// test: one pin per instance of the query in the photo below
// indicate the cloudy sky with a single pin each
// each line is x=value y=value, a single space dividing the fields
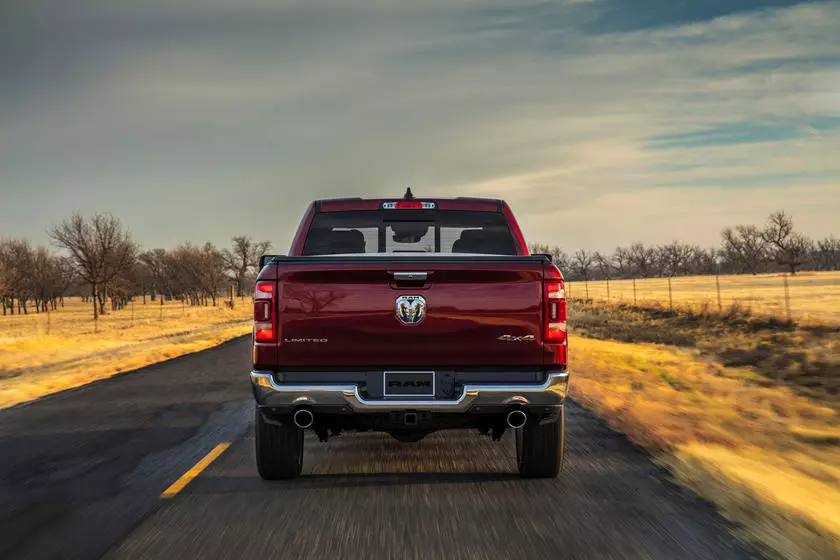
x=600 y=121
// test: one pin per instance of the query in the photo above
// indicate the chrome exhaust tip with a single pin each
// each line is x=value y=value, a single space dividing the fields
x=303 y=418
x=516 y=419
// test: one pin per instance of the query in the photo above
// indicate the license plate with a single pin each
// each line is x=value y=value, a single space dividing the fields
x=409 y=384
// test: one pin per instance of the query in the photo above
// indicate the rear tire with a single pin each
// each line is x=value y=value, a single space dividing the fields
x=540 y=448
x=279 y=448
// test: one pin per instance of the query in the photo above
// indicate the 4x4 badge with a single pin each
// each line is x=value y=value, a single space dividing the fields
x=411 y=310
x=514 y=338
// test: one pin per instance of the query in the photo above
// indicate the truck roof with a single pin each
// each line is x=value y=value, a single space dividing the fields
x=407 y=201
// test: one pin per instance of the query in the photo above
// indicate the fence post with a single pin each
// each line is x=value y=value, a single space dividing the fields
x=161 y=307
x=608 y=289
x=787 y=297
x=132 y=312
x=49 y=321
x=586 y=285
x=670 y=296
x=232 y=295
x=717 y=285
x=634 y=292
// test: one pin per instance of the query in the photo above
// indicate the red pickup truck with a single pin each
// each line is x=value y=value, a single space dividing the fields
x=408 y=316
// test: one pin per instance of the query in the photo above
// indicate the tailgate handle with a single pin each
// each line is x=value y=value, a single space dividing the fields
x=410 y=278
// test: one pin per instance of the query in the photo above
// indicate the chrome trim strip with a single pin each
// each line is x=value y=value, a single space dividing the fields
x=552 y=391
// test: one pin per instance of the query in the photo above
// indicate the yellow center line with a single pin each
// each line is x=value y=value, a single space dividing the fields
x=185 y=479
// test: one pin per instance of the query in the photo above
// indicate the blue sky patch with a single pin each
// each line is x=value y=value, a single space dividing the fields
x=754 y=180
x=616 y=16
x=785 y=65
x=746 y=133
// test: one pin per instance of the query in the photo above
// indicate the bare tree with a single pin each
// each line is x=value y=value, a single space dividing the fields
x=20 y=258
x=65 y=278
x=778 y=229
x=15 y=278
x=746 y=246
x=213 y=270
x=826 y=254
x=199 y=272
x=243 y=258
x=675 y=258
x=5 y=274
x=142 y=276
x=157 y=272
x=622 y=262
x=559 y=257
x=539 y=249
x=44 y=276
x=604 y=264
x=582 y=263
x=182 y=269
x=788 y=248
x=28 y=273
x=796 y=253
x=6 y=278
x=100 y=250
x=119 y=256
x=703 y=261
x=644 y=259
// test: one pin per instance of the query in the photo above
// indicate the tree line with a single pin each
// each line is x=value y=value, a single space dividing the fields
x=744 y=249
x=100 y=262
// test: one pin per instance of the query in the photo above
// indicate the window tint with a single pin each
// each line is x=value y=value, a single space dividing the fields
x=409 y=231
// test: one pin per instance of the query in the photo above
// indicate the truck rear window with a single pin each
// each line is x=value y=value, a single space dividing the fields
x=409 y=231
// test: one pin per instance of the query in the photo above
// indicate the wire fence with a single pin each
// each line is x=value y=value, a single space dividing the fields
x=804 y=297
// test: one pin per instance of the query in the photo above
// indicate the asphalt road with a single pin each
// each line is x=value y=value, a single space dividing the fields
x=81 y=474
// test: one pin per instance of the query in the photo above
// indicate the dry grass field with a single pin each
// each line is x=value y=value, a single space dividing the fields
x=43 y=353
x=707 y=402
x=814 y=296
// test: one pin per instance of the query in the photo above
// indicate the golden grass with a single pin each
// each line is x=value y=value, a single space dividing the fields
x=44 y=353
x=814 y=296
x=766 y=456
x=802 y=356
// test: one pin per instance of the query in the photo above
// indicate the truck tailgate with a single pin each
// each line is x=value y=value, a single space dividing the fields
x=342 y=311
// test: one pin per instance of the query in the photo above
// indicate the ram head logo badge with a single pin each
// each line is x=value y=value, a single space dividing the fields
x=411 y=310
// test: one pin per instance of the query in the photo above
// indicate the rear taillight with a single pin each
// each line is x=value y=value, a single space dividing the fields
x=265 y=322
x=555 y=312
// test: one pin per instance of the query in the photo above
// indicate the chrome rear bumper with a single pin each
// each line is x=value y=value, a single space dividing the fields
x=269 y=393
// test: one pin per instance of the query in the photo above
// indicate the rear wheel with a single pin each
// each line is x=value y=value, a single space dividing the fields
x=540 y=447
x=279 y=448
